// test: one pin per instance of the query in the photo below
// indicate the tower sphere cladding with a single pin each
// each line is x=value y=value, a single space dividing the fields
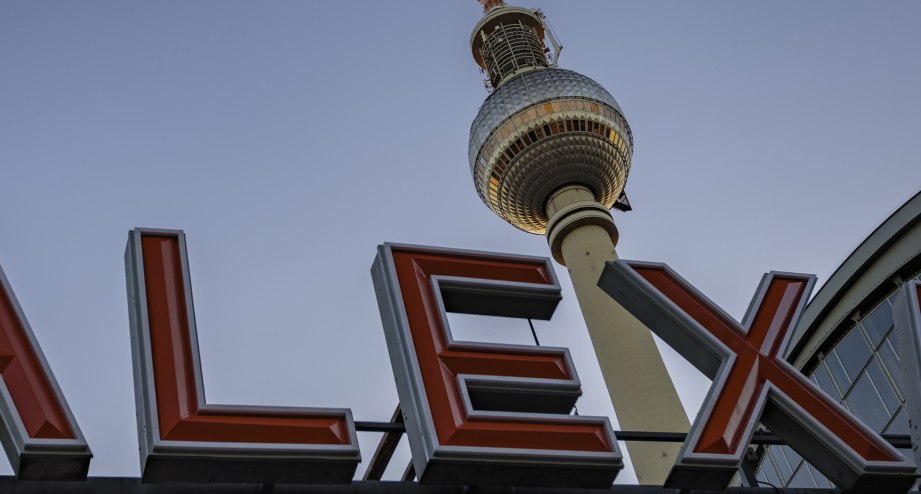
x=543 y=127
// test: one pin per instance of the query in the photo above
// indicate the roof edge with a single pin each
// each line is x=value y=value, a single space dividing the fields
x=867 y=255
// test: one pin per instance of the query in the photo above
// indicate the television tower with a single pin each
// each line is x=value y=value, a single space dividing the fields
x=550 y=152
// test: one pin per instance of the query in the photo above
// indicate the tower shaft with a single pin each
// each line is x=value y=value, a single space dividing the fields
x=641 y=391
x=550 y=152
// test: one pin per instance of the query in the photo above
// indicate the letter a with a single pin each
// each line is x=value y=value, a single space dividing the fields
x=38 y=431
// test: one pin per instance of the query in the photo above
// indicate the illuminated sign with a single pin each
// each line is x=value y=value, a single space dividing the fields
x=752 y=382
x=475 y=413
x=479 y=413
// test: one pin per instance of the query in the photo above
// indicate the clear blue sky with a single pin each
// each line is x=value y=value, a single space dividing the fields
x=289 y=138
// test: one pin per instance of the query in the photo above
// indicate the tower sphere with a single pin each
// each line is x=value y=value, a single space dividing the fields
x=542 y=128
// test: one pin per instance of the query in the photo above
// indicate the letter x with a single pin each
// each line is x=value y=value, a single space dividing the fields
x=752 y=382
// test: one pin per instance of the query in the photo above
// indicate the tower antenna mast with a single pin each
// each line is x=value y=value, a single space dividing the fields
x=491 y=4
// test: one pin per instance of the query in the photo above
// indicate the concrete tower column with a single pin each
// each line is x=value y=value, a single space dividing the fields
x=582 y=237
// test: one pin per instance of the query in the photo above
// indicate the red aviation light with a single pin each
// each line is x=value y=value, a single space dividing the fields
x=479 y=413
x=491 y=4
x=752 y=382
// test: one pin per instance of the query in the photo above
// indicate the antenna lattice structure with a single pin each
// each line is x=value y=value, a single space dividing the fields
x=542 y=127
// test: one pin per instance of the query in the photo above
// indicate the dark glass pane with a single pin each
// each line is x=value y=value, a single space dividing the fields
x=893 y=339
x=883 y=387
x=802 y=478
x=792 y=457
x=821 y=481
x=823 y=379
x=878 y=323
x=783 y=466
x=865 y=402
x=768 y=472
x=899 y=424
x=837 y=372
x=891 y=361
x=853 y=353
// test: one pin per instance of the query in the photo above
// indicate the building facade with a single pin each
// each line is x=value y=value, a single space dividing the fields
x=846 y=344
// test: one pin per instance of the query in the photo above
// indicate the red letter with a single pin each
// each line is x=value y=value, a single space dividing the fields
x=38 y=430
x=752 y=382
x=479 y=413
x=182 y=438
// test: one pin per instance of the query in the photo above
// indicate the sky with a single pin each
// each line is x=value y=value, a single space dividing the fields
x=289 y=138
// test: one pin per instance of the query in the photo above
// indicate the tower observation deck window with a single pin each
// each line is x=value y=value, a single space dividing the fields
x=510 y=48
